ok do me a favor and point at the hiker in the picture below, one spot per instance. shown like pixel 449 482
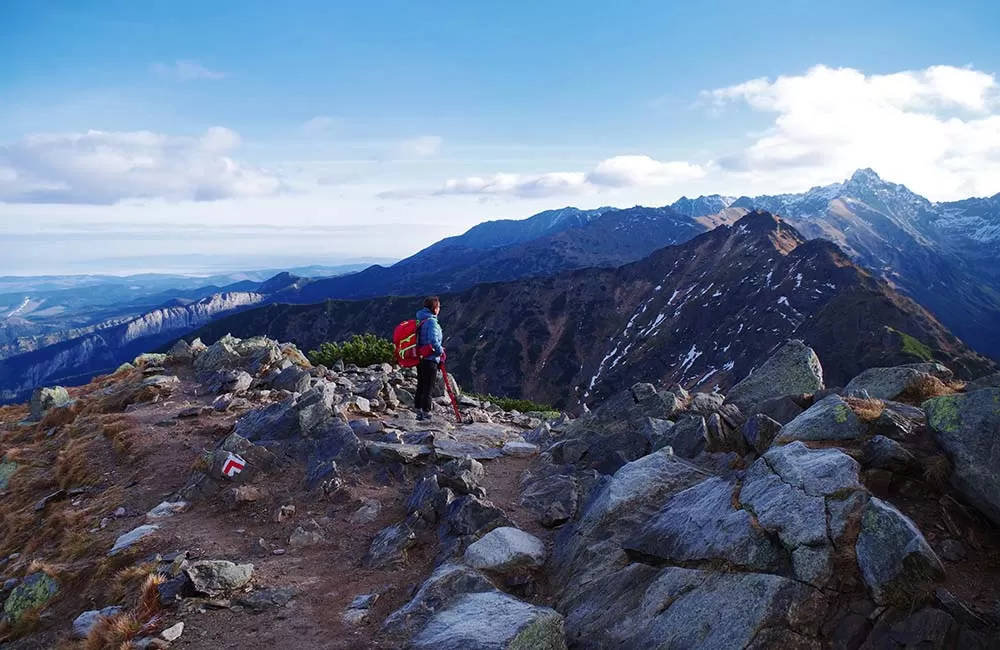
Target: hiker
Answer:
pixel 429 339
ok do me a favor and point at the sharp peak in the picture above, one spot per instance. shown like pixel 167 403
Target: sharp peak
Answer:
pixel 864 174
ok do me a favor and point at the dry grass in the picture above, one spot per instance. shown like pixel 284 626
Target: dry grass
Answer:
pixel 867 410
pixel 149 597
pixel 937 471
pixel 113 633
pixel 928 387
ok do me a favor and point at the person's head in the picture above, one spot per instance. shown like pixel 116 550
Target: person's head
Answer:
pixel 433 303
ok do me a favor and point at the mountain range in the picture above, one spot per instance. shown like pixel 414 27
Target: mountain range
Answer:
pixel 702 314
pixel 946 256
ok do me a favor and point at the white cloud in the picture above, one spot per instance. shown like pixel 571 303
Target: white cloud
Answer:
pixel 617 172
pixel 101 167
pixel 936 130
pixel 319 124
pixel 424 146
pixel 186 70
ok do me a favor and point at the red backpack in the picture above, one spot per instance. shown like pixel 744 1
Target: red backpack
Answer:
pixel 404 337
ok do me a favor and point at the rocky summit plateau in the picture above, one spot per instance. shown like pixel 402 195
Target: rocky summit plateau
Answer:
pixel 235 495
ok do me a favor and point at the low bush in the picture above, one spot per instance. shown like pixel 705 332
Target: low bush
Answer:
pixel 513 404
pixel 361 350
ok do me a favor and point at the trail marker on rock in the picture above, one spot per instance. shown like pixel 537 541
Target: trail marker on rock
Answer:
pixel 233 465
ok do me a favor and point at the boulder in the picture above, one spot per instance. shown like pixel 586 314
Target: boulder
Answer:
pixel 85 622
pixel 688 437
pixel 463 476
pixel 519 449
pixel 700 524
pixel 967 427
pixel 293 379
pixel 448 583
pixel 622 504
pixel 553 499
pixel 470 515
pixel 33 593
pixel 706 403
pixel 44 400
pixel 896 562
pixel 491 621
pixel 884 453
pixel 807 498
pixel 793 369
pixel 886 383
pixel 132 537
pixel 989 381
pixel 644 607
pixel 426 499
pixel 180 352
pixel 388 548
pixel 218 577
pixel 759 431
pixel 927 628
pixel 658 432
pixel 229 353
pixel 505 550
pixel 780 409
pixel 390 452
pixel 828 419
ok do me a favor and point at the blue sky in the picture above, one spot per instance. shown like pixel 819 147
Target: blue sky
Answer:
pixel 306 132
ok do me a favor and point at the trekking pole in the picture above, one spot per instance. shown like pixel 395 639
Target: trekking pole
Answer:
pixel 451 393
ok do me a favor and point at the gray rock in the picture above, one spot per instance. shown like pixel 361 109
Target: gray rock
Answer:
pixel 293 379
pixel 792 370
pixel 34 592
pixel 506 549
pixel 470 515
pixel 425 499
pixel 85 622
pixel 592 547
pixel 658 432
pixel 366 427
pixel 463 475
pixel 180 352
pixel 540 435
pixel 44 400
pixel 520 449
pixel 896 562
pixel 645 607
pixel 817 472
pixel 400 453
pixel 894 425
pixel 553 499
pixel 447 448
pixel 168 509
pixel 388 548
pixel 264 599
pixel 886 383
pixel 883 453
pixel 780 409
pixel 989 381
pixel 132 537
pixel 367 513
pixel 706 403
pixel 689 436
pixel 218 577
pixel 967 427
pixel 309 534
pixel 443 587
pixel 928 628
pixel 700 524
pixel 759 431
pixel 492 621
pixel 828 419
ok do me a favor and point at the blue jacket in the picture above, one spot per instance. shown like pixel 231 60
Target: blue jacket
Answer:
pixel 430 333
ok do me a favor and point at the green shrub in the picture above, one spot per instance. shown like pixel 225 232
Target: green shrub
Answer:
pixel 513 404
pixel 362 350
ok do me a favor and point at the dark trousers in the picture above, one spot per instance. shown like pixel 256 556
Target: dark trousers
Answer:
pixel 426 376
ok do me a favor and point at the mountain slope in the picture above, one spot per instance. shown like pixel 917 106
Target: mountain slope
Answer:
pixel 78 359
pixel 613 238
pixel 703 313
pixel 945 256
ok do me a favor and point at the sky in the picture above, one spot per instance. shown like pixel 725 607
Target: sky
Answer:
pixel 191 136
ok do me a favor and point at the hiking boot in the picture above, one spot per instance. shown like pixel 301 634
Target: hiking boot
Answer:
pixel 423 415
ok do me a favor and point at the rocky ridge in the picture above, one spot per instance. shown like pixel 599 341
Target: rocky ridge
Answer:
pixel 785 514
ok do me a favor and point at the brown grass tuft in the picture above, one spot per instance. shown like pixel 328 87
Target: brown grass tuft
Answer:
pixel 926 388
pixel 149 597
pixel 937 470
pixel 129 578
pixel 867 410
pixel 111 633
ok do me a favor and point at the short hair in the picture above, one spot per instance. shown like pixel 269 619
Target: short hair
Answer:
pixel 433 302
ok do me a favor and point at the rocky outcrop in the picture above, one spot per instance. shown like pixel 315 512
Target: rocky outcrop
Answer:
pixel 968 428
pixel 828 419
pixel 793 369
